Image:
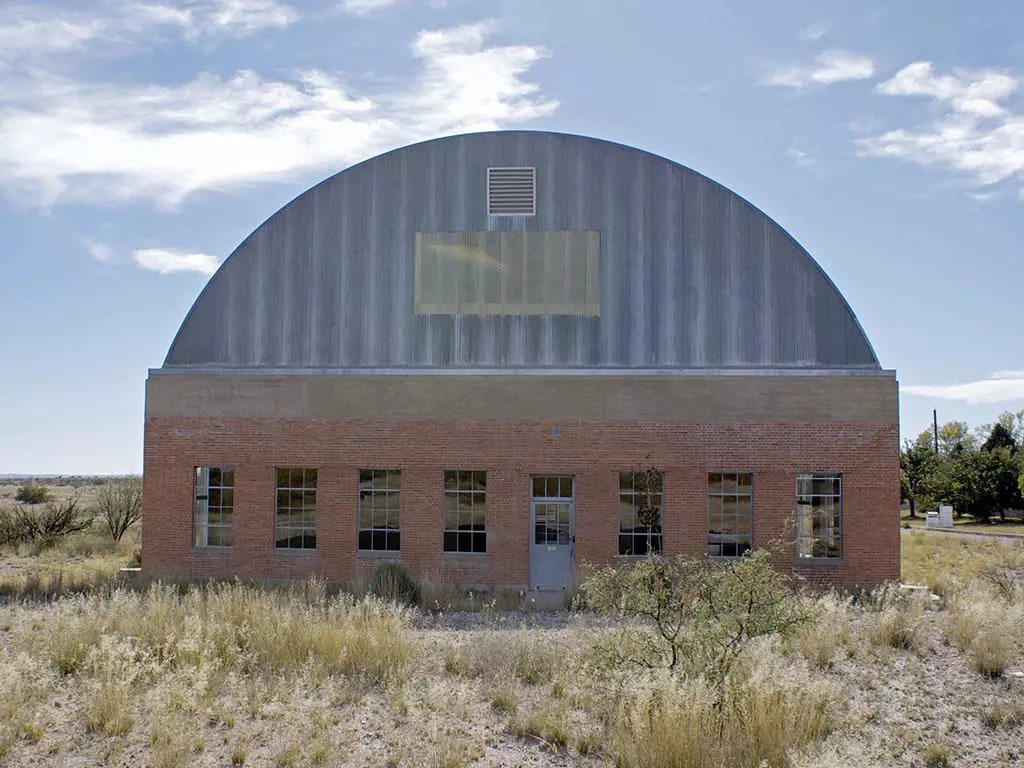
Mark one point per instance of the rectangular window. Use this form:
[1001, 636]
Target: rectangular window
[730, 513]
[295, 522]
[465, 511]
[552, 509]
[640, 505]
[508, 273]
[213, 507]
[819, 515]
[380, 509]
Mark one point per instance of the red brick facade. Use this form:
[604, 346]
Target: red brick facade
[511, 451]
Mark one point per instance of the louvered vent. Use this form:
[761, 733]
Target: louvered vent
[511, 191]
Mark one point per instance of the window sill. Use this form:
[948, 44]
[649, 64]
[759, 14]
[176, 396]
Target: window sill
[388, 554]
[463, 554]
[288, 552]
[212, 550]
[813, 562]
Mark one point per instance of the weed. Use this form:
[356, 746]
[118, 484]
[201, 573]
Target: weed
[936, 756]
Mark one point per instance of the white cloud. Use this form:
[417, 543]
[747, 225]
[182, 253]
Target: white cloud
[31, 31]
[167, 261]
[365, 7]
[70, 141]
[1000, 387]
[976, 94]
[28, 32]
[829, 67]
[983, 197]
[247, 16]
[815, 31]
[976, 133]
[99, 251]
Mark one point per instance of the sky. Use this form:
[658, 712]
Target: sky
[141, 142]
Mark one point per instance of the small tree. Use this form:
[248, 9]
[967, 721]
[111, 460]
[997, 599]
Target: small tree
[698, 615]
[917, 465]
[33, 493]
[56, 519]
[648, 487]
[1000, 437]
[120, 505]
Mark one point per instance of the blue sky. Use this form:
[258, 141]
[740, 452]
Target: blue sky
[141, 142]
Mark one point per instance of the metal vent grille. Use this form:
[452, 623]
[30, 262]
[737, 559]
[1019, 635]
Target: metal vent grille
[511, 191]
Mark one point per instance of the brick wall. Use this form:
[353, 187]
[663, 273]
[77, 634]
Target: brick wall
[594, 451]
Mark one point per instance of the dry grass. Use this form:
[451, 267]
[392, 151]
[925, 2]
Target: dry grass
[232, 674]
[942, 560]
[770, 712]
[821, 640]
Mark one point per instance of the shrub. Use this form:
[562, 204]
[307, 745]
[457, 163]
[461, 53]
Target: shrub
[392, 582]
[33, 493]
[991, 653]
[45, 525]
[819, 642]
[695, 613]
[120, 505]
[548, 722]
[896, 627]
[937, 756]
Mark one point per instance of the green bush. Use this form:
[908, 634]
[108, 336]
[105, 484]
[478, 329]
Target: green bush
[695, 616]
[392, 582]
[33, 493]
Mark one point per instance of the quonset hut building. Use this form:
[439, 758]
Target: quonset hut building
[465, 353]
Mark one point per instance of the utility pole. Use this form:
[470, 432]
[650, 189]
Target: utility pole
[935, 423]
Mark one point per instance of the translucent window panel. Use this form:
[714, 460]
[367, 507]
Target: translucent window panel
[508, 273]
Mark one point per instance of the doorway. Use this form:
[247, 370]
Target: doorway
[552, 526]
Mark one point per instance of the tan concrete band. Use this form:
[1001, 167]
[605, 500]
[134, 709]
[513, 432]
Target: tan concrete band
[789, 398]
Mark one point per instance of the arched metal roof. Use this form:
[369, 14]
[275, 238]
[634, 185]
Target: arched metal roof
[691, 275]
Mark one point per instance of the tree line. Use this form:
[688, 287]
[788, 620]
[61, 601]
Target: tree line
[978, 472]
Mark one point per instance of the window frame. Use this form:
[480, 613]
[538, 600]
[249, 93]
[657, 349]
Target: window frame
[837, 529]
[456, 494]
[632, 535]
[389, 534]
[736, 539]
[305, 530]
[205, 525]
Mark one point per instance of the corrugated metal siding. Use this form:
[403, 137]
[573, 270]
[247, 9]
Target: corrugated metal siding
[692, 276]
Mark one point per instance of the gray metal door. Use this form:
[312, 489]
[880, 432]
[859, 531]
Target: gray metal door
[552, 531]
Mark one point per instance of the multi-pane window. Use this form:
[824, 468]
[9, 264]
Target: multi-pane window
[819, 512]
[640, 505]
[465, 511]
[295, 522]
[213, 507]
[730, 513]
[380, 492]
[552, 510]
